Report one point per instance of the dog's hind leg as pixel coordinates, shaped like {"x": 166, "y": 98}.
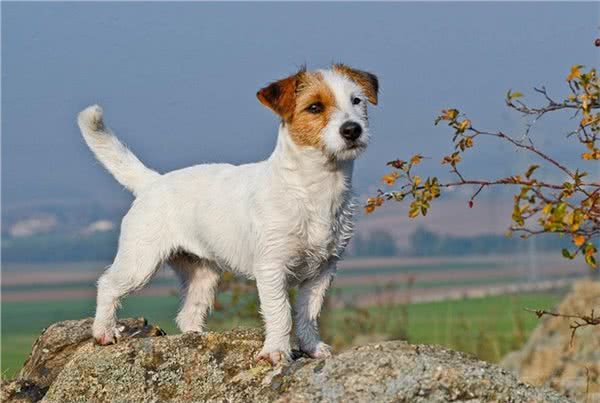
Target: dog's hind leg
{"x": 141, "y": 252}
{"x": 130, "y": 271}
{"x": 199, "y": 280}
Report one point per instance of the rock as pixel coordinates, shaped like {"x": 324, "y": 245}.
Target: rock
{"x": 54, "y": 349}
{"x": 21, "y": 391}
{"x": 221, "y": 367}
{"x": 549, "y": 358}
{"x": 400, "y": 372}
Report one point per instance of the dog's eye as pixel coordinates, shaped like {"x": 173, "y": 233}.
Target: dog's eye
{"x": 356, "y": 101}
{"x": 317, "y": 107}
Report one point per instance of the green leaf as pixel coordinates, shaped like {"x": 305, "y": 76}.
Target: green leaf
{"x": 561, "y": 209}
{"x": 516, "y": 95}
{"x": 531, "y": 170}
{"x": 512, "y": 95}
{"x": 591, "y": 260}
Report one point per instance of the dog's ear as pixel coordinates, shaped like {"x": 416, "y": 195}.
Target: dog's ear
{"x": 280, "y": 96}
{"x": 367, "y": 81}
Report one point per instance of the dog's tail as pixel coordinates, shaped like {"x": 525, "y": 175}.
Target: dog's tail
{"x": 127, "y": 169}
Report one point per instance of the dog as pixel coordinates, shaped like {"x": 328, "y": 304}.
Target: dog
{"x": 284, "y": 221}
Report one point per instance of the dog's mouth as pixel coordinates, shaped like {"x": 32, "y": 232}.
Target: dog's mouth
{"x": 356, "y": 146}
{"x": 350, "y": 151}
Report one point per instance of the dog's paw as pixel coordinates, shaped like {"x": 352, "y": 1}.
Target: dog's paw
{"x": 188, "y": 324}
{"x": 198, "y": 330}
{"x": 107, "y": 336}
{"x": 321, "y": 350}
{"x": 91, "y": 118}
{"x": 274, "y": 357}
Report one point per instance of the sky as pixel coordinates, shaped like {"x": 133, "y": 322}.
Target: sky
{"x": 178, "y": 81}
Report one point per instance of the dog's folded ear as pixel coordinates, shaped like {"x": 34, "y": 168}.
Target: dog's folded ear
{"x": 367, "y": 81}
{"x": 280, "y": 96}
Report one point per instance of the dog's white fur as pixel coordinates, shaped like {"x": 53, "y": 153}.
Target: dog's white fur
{"x": 283, "y": 221}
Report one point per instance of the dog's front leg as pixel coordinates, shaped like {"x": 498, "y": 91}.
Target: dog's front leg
{"x": 275, "y": 308}
{"x": 309, "y": 301}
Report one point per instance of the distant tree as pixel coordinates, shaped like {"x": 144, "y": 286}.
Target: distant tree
{"x": 378, "y": 243}
{"x": 423, "y": 242}
{"x": 570, "y": 207}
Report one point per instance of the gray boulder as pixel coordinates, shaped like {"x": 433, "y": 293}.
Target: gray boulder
{"x": 220, "y": 367}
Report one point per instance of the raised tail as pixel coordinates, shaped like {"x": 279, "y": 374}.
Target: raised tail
{"x": 127, "y": 169}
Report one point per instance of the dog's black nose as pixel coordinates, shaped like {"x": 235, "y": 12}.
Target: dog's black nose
{"x": 350, "y": 130}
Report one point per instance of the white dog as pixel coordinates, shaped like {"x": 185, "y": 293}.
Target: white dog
{"x": 284, "y": 221}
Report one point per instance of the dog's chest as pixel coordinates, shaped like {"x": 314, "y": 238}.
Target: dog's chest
{"x": 325, "y": 226}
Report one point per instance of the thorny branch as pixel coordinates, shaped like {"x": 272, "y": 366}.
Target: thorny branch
{"x": 578, "y": 320}
{"x": 570, "y": 207}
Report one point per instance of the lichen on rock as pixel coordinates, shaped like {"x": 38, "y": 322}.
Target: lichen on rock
{"x": 220, "y": 366}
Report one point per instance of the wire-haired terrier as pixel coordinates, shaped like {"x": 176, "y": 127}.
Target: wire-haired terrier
{"x": 283, "y": 221}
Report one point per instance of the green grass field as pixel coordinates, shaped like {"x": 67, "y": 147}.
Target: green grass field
{"x": 487, "y": 327}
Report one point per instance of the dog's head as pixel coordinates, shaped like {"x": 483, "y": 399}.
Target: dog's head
{"x": 325, "y": 109}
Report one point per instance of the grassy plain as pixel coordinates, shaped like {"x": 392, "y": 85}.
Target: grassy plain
{"x": 487, "y": 327}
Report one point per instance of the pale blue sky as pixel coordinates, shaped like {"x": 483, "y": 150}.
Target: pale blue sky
{"x": 178, "y": 80}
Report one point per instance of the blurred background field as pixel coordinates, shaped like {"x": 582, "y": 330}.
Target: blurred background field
{"x": 472, "y": 304}
{"x": 450, "y": 278}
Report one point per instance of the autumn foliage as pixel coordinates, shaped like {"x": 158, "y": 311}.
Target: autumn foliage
{"x": 570, "y": 207}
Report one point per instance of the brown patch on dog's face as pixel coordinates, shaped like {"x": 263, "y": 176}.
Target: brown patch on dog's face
{"x": 367, "y": 81}
{"x": 305, "y": 104}
{"x": 315, "y": 102}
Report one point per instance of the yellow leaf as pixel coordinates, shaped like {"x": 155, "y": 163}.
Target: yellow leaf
{"x": 589, "y": 119}
{"x": 416, "y": 180}
{"x": 575, "y": 72}
{"x": 578, "y": 240}
{"x": 589, "y": 249}
{"x": 373, "y": 203}
{"x": 547, "y": 209}
{"x": 513, "y": 95}
{"x": 449, "y": 114}
{"x": 416, "y": 159}
{"x": 390, "y": 178}
{"x": 464, "y": 125}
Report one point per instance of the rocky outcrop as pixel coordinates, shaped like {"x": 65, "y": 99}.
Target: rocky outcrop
{"x": 54, "y": 349}
{"x": 551, "y": 358}
{"x": 221, "y": 367}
